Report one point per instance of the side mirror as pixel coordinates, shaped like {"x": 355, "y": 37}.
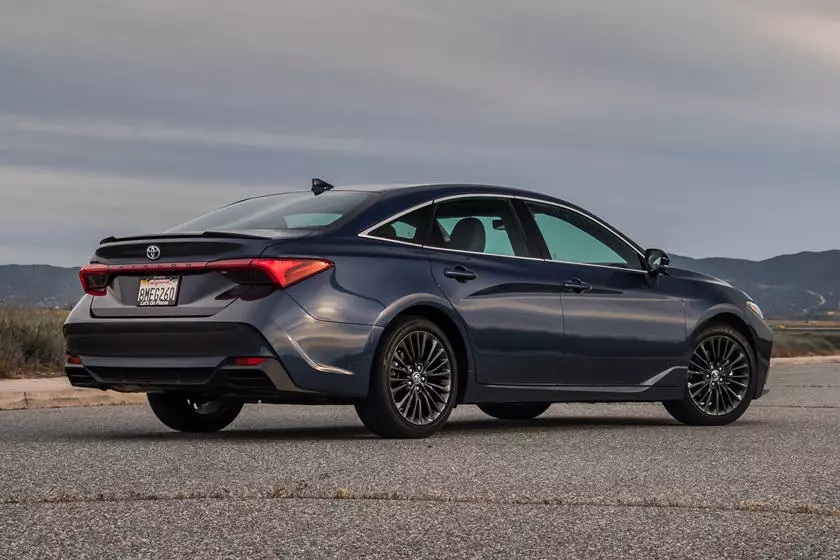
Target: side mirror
{"x": 657, "y": 261}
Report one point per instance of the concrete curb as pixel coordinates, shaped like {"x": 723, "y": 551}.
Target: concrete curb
{"x": 805, "y": 360}
{"x": 81, "y": 397}
{"x": 12, "y": 401}
{"x": 20, "y": 394}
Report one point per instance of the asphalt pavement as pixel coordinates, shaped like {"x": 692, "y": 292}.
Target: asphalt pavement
{"x": 583, "y": 481}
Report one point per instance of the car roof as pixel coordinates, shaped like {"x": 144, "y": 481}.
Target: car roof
{"x": 420, "y": 192}
{"x": 433, "y": 190}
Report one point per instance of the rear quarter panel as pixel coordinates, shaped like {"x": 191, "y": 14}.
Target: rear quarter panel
{"x": 372, "y": 280}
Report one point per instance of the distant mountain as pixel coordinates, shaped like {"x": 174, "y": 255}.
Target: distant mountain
{"x": 801, "y": 286}
{"x": 39, "y": 286}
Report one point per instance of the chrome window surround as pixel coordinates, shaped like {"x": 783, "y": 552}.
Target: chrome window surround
{"x": 366, "y": 233}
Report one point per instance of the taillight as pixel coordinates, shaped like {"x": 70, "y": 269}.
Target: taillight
{"x": 281, "y": 273}
{"x": 286, "y": 272}
{"x": 95, "y": 278}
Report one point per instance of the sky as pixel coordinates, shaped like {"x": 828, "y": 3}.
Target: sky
{"x": 705, "y": 128}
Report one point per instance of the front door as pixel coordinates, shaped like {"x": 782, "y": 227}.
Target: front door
{"x": 622, "y": 327}
{"x": 481, "y": 261}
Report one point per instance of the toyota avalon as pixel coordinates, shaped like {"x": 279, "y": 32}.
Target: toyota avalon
{"x": 406, "y": 302}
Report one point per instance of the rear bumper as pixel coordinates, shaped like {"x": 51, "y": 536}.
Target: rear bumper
{"x": 306, "y": 358}
{"x": 267, "y": 381}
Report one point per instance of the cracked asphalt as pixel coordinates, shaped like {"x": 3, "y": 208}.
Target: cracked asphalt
{"x": 593, "y": 481}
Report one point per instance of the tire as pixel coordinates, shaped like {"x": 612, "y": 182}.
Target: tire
{"x": 188, "y": 414}
{"x": 424, "y": 394}
{"x": 703, "y": 411}
{"x": 514, "y": 411}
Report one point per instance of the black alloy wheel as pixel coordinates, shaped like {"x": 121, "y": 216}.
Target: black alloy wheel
{"x": 720, "y": 382}
{"x": 414, "y": 382}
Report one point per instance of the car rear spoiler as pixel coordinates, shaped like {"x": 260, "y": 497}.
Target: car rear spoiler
{"x": 269, "y": 234}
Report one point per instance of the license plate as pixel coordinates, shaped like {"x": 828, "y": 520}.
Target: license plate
{"x": 158, "y": 291}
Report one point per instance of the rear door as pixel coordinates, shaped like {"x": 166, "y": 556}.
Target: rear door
{"x": 482, "y": 262}
{"x": 622, "y": 327}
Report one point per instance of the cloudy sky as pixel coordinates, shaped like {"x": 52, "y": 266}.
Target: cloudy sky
{"x": 708, "y": 128}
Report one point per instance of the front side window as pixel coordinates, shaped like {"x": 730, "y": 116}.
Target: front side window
{"x": 298, "y": 210}
{"x": 409, "y": 228}
{"x": 574, "y": 238}
{"x": 477, "y": 225}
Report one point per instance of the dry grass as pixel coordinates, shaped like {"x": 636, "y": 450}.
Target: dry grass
{"x": 806, "y": 338}
{"x": 794, "y": 345}
{"x": 31, "y": 344}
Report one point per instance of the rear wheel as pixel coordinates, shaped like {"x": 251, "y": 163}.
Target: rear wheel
{"x": 721, "y": 379}
{"x": 514, "y": 411}
{"x": 414, "y": 381}
{"x": 192, "y": 414}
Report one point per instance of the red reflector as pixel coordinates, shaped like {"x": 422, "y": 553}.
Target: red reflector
{"x": 75, "y": 360}
{"x": 246, "y": 362}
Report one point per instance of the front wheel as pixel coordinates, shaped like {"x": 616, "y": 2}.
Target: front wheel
{"x": 414, "y": 381}
{"x": 514, "y": 411}
{"x": 721, "y": 379}
{"x": 192, "y": 414}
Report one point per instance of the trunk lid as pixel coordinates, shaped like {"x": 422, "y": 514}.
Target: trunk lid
{"x": 196, "y": 290}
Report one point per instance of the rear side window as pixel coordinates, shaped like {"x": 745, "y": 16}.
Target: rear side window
{"x": 410, "y": 228}
{"x": 299, "y": 210}
{"x": 477, "y": 225}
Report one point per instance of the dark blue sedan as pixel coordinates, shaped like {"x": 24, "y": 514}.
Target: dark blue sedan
{"x": 405, "y": 302}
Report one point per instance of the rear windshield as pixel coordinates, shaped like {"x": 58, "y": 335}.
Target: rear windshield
{"x": 299, "y": 210}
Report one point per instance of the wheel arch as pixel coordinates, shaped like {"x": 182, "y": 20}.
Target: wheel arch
{"x": 729, "y": 319}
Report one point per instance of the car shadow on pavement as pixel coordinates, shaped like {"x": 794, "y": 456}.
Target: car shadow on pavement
{"x": 568, "y": 423}
{"x": 453, "y": 428}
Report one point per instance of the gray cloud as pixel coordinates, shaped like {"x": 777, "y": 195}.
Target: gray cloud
{"x": 708, "y": 128}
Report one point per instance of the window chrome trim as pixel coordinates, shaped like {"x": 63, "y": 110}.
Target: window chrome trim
{"x": 397, "y": 241}
{"x": 487, "y": 195}
{"x": 366, "y": 233}
{"x": 610, "y": 267}
{"x": 433, "y": 248}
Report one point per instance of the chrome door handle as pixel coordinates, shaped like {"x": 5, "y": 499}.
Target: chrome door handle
{"x": 460, "y": 273}
{"x": 576, "y": 285}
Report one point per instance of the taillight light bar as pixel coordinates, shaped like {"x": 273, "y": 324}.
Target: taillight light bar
{"x": 282, "y": 273}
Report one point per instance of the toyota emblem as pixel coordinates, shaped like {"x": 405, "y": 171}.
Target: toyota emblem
{"x": 153, "y": 252}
